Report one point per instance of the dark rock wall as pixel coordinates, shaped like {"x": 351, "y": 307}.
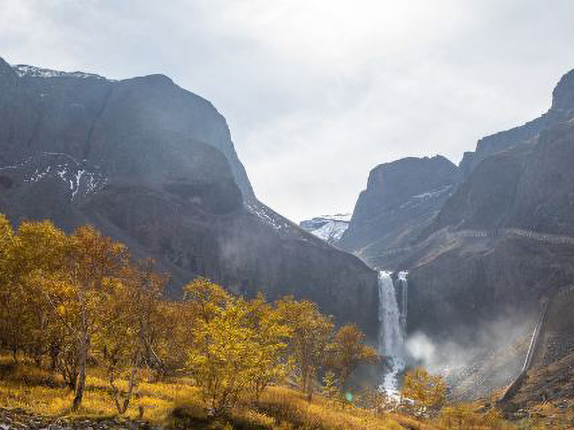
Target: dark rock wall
{"x": 400, "y": 201}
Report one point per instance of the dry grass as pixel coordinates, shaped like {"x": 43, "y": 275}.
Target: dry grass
{"x": 177, "y": 404}
{"x": 39, "y": 391}
{"x": 290, "y": 409}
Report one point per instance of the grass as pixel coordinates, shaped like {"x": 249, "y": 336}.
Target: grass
{"x": 177, "y": 405}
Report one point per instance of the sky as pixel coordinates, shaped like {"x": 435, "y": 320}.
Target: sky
{"x": 319, "y": 92}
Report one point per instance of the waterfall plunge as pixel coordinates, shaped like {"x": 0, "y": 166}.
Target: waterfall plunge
{"x": 392, "y": 326}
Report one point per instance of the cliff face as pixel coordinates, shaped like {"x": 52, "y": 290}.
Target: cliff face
{"x": 494, "y": 242}
{"x": 154, "y": 166}
{"x": 561, "y": 110}
{"x": 505, "y": 238}
{"x": 400, "y": 201}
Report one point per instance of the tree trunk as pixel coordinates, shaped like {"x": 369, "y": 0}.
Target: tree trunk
{"x": 309, "y": 387}
{"x": 54, "y": 354}
{"x": 123, "y": 407}
{"x": 81, "y": 381}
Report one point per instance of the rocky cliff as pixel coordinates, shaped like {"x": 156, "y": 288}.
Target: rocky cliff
{"x": 399, "y": 203}
{"x": 499, "y": 238}
{"x": 153, "y": 165}
{"x": 505, "y": 238}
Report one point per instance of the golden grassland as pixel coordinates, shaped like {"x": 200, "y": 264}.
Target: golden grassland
{"x": 177, "y": 404}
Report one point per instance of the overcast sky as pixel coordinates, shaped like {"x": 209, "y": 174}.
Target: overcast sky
{"x": 318, "y": 92}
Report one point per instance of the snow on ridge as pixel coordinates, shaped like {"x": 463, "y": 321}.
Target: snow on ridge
{"x": 39, "y": 72}
{"x": 336, "y": 217}
{"x": 268, "y": 216}
{"x": 417, "y": 200}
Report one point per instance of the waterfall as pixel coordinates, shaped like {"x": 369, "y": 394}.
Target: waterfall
{"x": 392, "y": 326}
{"x": 404, "y": 289}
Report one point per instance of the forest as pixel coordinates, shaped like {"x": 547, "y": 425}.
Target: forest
{"x": 79, "y": 317}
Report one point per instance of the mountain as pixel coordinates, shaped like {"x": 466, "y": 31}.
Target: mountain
{"x": 505, "y": 238}
{"x": 330, "y": 228}
{"x": 154, "y": 166}
{"x": 488, "y": 251}
{"x": 399, "y": 203}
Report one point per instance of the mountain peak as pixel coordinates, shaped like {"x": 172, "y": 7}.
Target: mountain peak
{"x": 563, "y": 94}
{"x": 5, "y": 68}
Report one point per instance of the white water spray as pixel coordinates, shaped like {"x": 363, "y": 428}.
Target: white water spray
{"x": 392, "y": 327}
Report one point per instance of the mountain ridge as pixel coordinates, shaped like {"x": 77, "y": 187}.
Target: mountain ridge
{"x": 154, "y": 166}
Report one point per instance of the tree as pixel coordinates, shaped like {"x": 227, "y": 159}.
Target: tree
{"x": 237, "y": 346}
{"x": 126, "y": 335}
{"x": 11, "y": 336}
{"x": 347, "y": 352}
{"x": 311, "y": 333}
{"x": 40, "y": 254}
{"x": 426, "y": 390}
{"x": 79, "y": 293}
{"x": 205, "y": 298}
{"x": 271, "y": 336}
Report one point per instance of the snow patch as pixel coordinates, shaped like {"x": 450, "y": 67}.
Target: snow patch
{"x": 38, "y": 72}
{"x": 419, "y": 199}
{"x": 78, "y": 178}
{"x": 268, "y": 216}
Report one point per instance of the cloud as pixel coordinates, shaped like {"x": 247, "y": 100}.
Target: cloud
{"x": 318, "y": 92}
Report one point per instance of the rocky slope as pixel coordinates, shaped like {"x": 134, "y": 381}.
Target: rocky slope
{"x": 548, "y": 391}
{"x": 399, "y": 203}
{"x": 153, "y": 165}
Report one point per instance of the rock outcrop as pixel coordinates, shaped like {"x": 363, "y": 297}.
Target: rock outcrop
{"x": 399, "y": 203}
{"x": 153, "y": 166}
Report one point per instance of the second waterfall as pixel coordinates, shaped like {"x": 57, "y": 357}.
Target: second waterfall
{"x": 392, "y": 326}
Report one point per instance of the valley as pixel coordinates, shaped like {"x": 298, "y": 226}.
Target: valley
{"x": 465, "y": 271}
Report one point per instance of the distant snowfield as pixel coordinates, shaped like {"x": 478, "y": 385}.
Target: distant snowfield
{"x": 330, "y": 228}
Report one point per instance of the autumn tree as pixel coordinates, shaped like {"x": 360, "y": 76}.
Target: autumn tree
{"x": 347, "y": 352}
{"x": 79, "y": 295}
{"x": 428, "y": 392}
{"x": 205, "y": 299}
{"x": 311, "y": 333}
{"x": 271, "y": 336}
{"x": 11, "y": 336}
{"x": 35, "y": 252}
{"x": 127, "y": 333}
{"x": 40, "y": 254}
{"x": 237, "y": 345}
{"x": 171, "y": 337}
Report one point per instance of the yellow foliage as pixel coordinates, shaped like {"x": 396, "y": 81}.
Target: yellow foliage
{"x": 348, "y": 351}
{"x": 428, "y": 392}
{"x": 237, "y": 348}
